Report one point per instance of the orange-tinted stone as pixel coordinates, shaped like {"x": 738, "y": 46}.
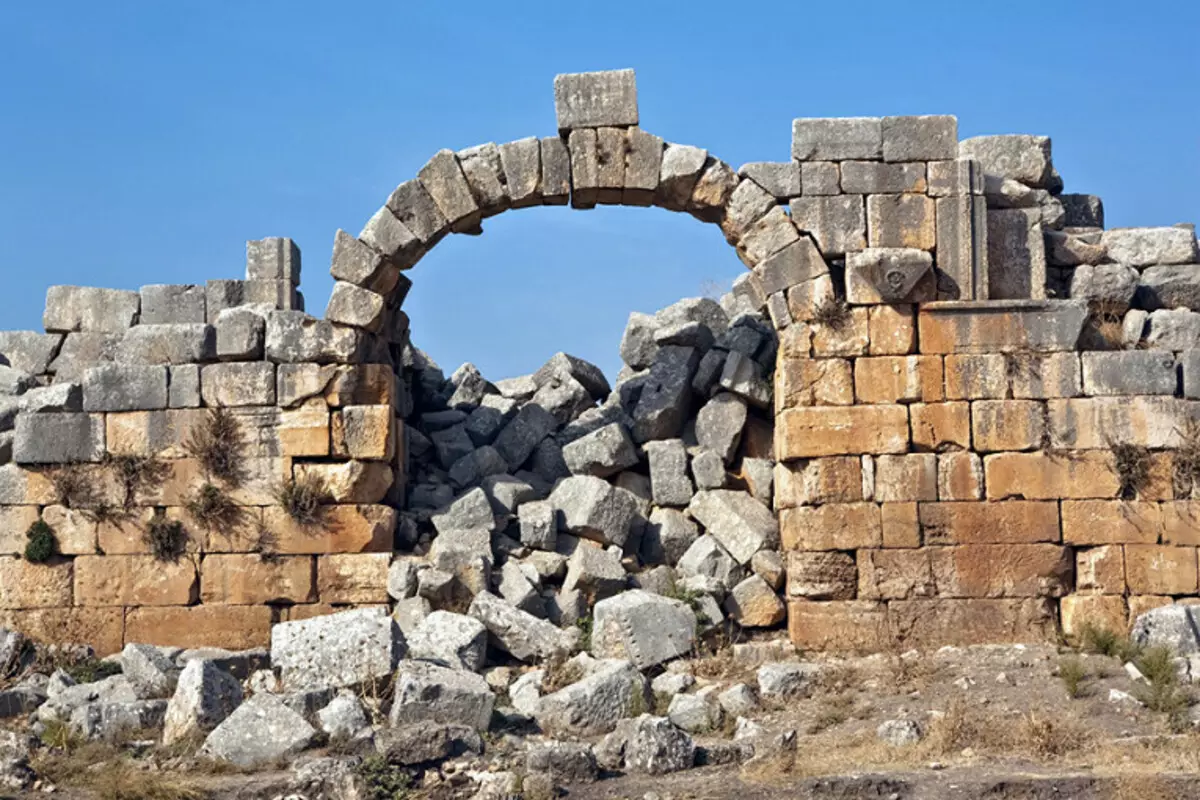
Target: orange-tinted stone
{"x": 134, "y": 581}
{"x": 1010, "y": 522}
{"x": 250, "y": 579}
{"x": 901, "y": 525}
{"x": 1100, "y": 570}
{"x": 1098, "y": 611}
{"x": 937, "y": 427}
{"x": 898, "y": 379}
{"x": 229, "y": 627}
{"x": 1111, "y": 522}
{"x": 353, "y": 577}
{"x": 998, "y": 425}
{"x": 345, "y": 529}
{"x": 837, "y": 526}
{"x": 838, "y": 626}
{"x": 1049, "y": 476}
{"x": 24, "y": 584}
{"x": 834, "y": 430}
{"x": 1159, "y": 569}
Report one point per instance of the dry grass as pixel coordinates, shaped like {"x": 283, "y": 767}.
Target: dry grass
{"x": 306, "y": 499}
{"x": 1073, "y": 675}
{"x": 217, "y": 444}
{"x": 559, "y": 673}
{"x": 167, "y": 539}
{"x": 1186, "y": 460}
{"x": 213, "y": 509}
{"x": 1106, "y": 320}
{"x": 137, "y": 473}
{"x": 832, "y": 313}
{"x": 1132, "y": 463}
{"x": 73, "y": 486}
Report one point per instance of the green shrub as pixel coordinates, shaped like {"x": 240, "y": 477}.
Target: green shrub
{"x": 41, "y": 545}
{"x": 1073, "y": 675}
{"x": 382, "y": 780}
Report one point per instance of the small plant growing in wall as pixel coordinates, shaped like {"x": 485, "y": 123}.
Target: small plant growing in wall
{"x": 167, "y": 539}
{"x": 40, "y": 545}
{"x": 213, "y": 509}
{"x": 1186, "y": 460}
{"x": 306, "y": 499}
{"x": 1132, "y": 463}
{"x": 73, "y": 486}
{"x": 832, "y": 313}
{"x": 137, "y": 473}
{"x": 217, "y": 444}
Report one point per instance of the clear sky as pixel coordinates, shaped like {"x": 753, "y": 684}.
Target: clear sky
{"x": 144, "y": 142}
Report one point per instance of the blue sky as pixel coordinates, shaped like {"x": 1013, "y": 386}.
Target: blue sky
{"x": 144, "y": 142}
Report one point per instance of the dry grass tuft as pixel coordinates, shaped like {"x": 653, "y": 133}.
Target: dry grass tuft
{"x": 559, "y": 673}
{"x": 1186, "y": 460}
{"x": 167, "y": 539}
{"x": 213, "y": 509}
{"x": 306, "y": 499}
{"x": 1073, "y": 675}
{"x": 1132, "y": 463}
{"x": 137, "y": 473}
{"x": 217, "y": 444}
{"x": 832, "y": 313}
{"x": 1106, "y": 321}
{"x": 73, "y": 486}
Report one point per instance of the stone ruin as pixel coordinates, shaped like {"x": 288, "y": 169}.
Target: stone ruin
{"x": 943, "y": 405}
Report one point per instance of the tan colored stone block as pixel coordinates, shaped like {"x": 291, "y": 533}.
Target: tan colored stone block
{"x": 998, "y": 425}
{"x": 346, "y": 529}
{"x": 895, "y": 574}
{"x": 932, "y": 623}
{"x": 1140, "y": 604}
{"x": 101, "y": 628}
{"x": 100, "y": 487}
{"x": 1011, "y": 326}
{"x": 835, "y": 430}
{"x": 249, "y": 579}
{"x": 960, "y": 477}
{"x": 901, "y": 220}
{"x": 163, "y": 434}
{"x": 837, "y": 526}
{"x": 25, "y": 487}
{"x": 1043, "y": 376}
{"x": 898, "y": 379}
{"x": 1048, "y": 476}
{"x": 821, "y": 576}
{"x": 809, "y": 382}
{"x": 362, "y": 385}
{"x": 183, "y": 477}
{"x": 27, "y": 585}
{"x": 296, "y": 613}
{"x": 364, "y": 482}
{"x": 263, "y": 477}
{"x": 1181, "y": 522}
{"x": 1102, "y": 612}
{"x": 353, "y": 577}
{"x": 975, "y": 376}
{"x": 758, "y": 439}
{"x": 296, "y": 384}
{"x": 366, "y": 433}
{"x": 1100, "y": 570}
{"x": 905, "y": 479}
{"x": 892, "y": 329}
{"x": 134, "y": 581}
{"x": 1160, "y": 481}
{"x": 1159, "y": 569}
{"x": 1097, "y": 423}
{"x": 1003, "y": 570}
{"x": 304, "y": 431}
{"x": 795, "y": 341}
{"x": 125, "y": 536}
{"x": 75, "y": 530}
{"x": 805, "y": 299}
{"x": 851, "y": 338}
{"x": 15, "y": 522}
{"x": 228, "y": 627}
{"x": 901, "y": 525}
{"x": 937, "y": 427}
{"x": 817, "y": 481}
{"x": 1010, "y": 522}
{"x": 847, "y": 626}
{"x": 246, "y": 535}
{"x": 1087, "y": 522}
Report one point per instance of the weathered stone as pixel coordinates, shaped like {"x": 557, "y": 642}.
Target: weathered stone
{"x": 821, "y": 576}
{"x": 719, "y": 424}
{"x": 246, "y": 383}
{"x": 260, "y": 731}
{"x": 1143, "y": 247}
{"x": 295, "y": 337}
{"x": 601, "y": 453}
{"x": 713, "y": 189}
{"x": 515, "y": 631}
{"x": 595, "y": 704}
{"x": 344, "y": 718}
{"x": 1064, "y": 249}
{"x": 645, "y": 628}
{"x": 926, "y": 138}
{"x": 29, "y": 351}
{"x": 78, "y": 308}
{"x": 740, "y": 523}
{"x": 831, "y": 430}
{"x": 838, "y": 224}
{"x": 442, "y": 177}
{"x": 901, "y": 220}
{"x": 1020, "y": 157}
{"x": 1129, "y": 372}
{"x": 471, "y": 510}
{"x": 781, "y": 682}
{"x": 596, "y": 99}
{"x": 1172, "y": 286}
{"x": 429, "y": 693}
{"x": 556, "y": 172}
{"x": 669, "y": 479}
{"x": 151, "y": 673}
{"x": 872, "y": 177}
{"x": 115, "y": 721}
{"x": 707, "y": 558}
{"x": 995, "y": 327}
{"x": 779, "y": 178}
{"x": 426, "y": 742}
{"x": 652, "y": 746}
{"x": 204, "y": 697}
{"x": 166, "y": 304}
{"x": 595, "y": 573}
{"x": 668, "y": 536}
{"x": 522, "y": 435}
{"x": 485, "y": 175}
{"x": 119, "y": 387}
{"x": 890, "y": 275}
{"x": 1111, "y": 284}
{"x": 58, "y": 438}
{"x": 833, "y": 139}
{"x": 273, "y": 259}
{"x": 754, "y": 604}
{"x": 1173, "y": 626}
{"x": 355, "y": 306}
{"x": 349, "y": 648}
{"x": 1083, "y": 210}
{"x": 1175, "y": 329}
{"x": 451, "y": 640}
{"x": 521, "y": 165}
{"x": 592, "y": 508}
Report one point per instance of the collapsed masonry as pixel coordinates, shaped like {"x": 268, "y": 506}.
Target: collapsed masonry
{"x": 943, "y": 405}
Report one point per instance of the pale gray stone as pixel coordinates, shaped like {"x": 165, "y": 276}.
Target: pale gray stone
{"x": 521, "y": 161}
{"x": 125, "y": 387}
{"x": 539, "y": 527}
{"x": 222, "y": 294}
{"x": 240, "y": 334}
{"x": 1111, "y": 284}
{"x": 638, "y": 345}
{"x": 782, "y": 681}
{"x": 696, "y": 713}
{"x": 556, "y": 172}
{"x": 1176, "y": 627}
{"x": 485, "y": 176}
{"x": 373, "y": 266}
{"x": 425, "y": 742}
{"x": 295, "y": 337}
{"x": 1020, "y": 157}
{"x": 1133, "y": 327}
{"x": 152, "y": 674}
{"x": 1170, "y": 286}
{"x": 873, "y": 177}
{"x": 595, "y": 704}
{"x": 184, "y": 388}
{"x": 58, "y": 438}
{"x": 1129, "y": 372}
{"x": 744, "y": 377}
{"x": 898, "y": 732}
{"x": 595, "y": 573}
{"x": 562, "y": 762}
{"x": 82, "y": 308}
{"x": 669, "y": 481}
{"x": 419, "y": 214}
{"x": 115, "y": 721}
{"x": 596, "y": 99}
{"x": 719, "y": 425}
{"x": 665, "y": 397}
{"x": 280, "y": 295}
{"x": 590, "y": 507}
{"x": 451, "y": 640}
{"x": 820, "y": 178}
{"x": 748, "y": 599}
{"x": 261, "y": 730}
{"x": 273, "y": 259}
{"x": 522, "y": 435}
{"x": 238, "y": 663}
{"x": 740, "y": 523}
{"x": 837, "y": 224}
{"x": 1175, "y": 329}
{"x": 429, "y": 693}
{"x": 738, "y": 700}
{"x": 564, "y": 397}
{"x": 476, "y": 465}
{"x": 471, "y": 510}
{"x": 355, "y": 306}
{"x": 173, "y": 303}
{"x": 518, "y": 590}
{"x": 66, "y": 698}
{"x": 925, "y": 138}
{"x": 800, "y": 261}
{"x": 681, "y": 168}
{"x": 958, "y": 177}
{"x": 648, "y": 629}
{"x": 602, "y": 453}
{"x": 1143, "y": 247}
{"x": 778, "y": 178}
{"x": 704, "y": 310}
{"x": 346, "y": 649}
{"x": 204, "y": 697}
{"x": 506, "y": 493}
{"x": 643, "y": 166}
{"x": 1016, "y": 255}
{"x": 452, "y": 445}
{"x": 519, "y": 633}
{"x": 586, "y": 374}
{"x": 708, "y": 468}
{"x": 82, "y": 351}
{"x": 443, "y": 179}
{"x": 409, "y": 613}
{"x": 29, "y": 351}
{"x": 668, "y": 536}
{"x": 344, "y": 718}
{"x": 837, "y": 139}
{"x": 654, "y": 746}
{"x": 242, "y": 383}
{"x": 168, "y": 344}
{"x": 1065, "y": 249}
{"x": 707, "y": 558}
{"x": 748, "y": 203}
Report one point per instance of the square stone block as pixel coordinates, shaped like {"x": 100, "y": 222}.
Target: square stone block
{"x": 596, "y": 99}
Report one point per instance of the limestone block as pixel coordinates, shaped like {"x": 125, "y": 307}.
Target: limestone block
{"x": 585, "y": 167}
{"x": 27, "y": 585}
{"x": 1043, "y": 476}
{"x": 344, "y": 649}
{"x": 740, "y": 523}
{"x": 1179, "y": 522}
{"x": 1170, "y": 286}
{"x": 1019, "y": 157}
{"x": 601, "y": 453}
{"x": 353, "y": 578}
{"x": 82, "y": 351}
{"x": 273, "y": 259}
{"x": 81, "y": 308}
{"x": 809, "y": 381}
{"x": 890, "y": 275}
{"x": 925, "y": 138}
{"x": 273, "y": 294}
{"x": 754, "y": 604}
{"x": 937, "y": 427}
{"x": 833, "y": 139}
{"x": 1101, "y": 570}
{"x": 556, "y": 171}
{"x": 375, "y": 265}
{"x": 183, "y": 391}
{"x": 831, "y": 430}
{"x": 1079, "y": 611}
{"x": 1083, "y": 210}
{"x": 957, "y": 177}
{"x": 645, "y": 628}
{"x": 29, "y": 351}
{"x": 610, "y": 165}
{"x": 74, "y": 530}
{"x": 1129, "y": 372}
{"x": 124, "y": 387}
{"x": 521, "y": 165}
{"x": 133, "y": 581}
{"x": 669, "y": 479}
{"x": 820, "y": 178}
{"x": 834, "y": 526}
{"x": 849, "y": 338}
{"x": 240, "y": 333}
{"x": 1002, "y": 327}
{"x": 16, "y": 520}
{"x": 1176, "y": 329}
{"x": 1100, "y": 422}
{"x": 1008, "y": 425}
{"x": 796, "y": 263}
{"x": 596, "y": 99}
{"x": 838, "y": 223}
{"x": 58, "y": 438}
{"x": 167, "y": 303}
{"x": 413, "y": 206}
{"x": 959, "y": 477}
{"x": 713, "y": 189}
{"x": 229, "y": 627}
{"x": 346, "y": 529}
{"x": 222, "y": 294}
{"x": 851, "y": 625}
{"x": 485, "y": 175}
{"x": 1143, "y": 247}
{"x": 821, "y": 576}
{"x": 1016, "y": 254}
{"x": 901, "y": 220}
{"x": 515, "y": 631}
{"x": 249, "y": 579}
{"x": 872, "y": 177}
{"x": 962, "y": 267}
{"x": 1157, "y": 569}
{"x": 936, "y": 622}
{"x": 249, "y": 383}
{"x": 898, "y": 379}
{"x": 354, "y": 482}
{"x": 770, "y": 234}
{"x": 891, "y": 329}
{"x": 296, "y": 337}
{"x": 592, "y": 508}
{"x": 1010, "y": 522}
{"x": 167, "y": 344}
{"x": 779, "y": 178}
{"x": 907, "y": 478}
{"x": 747, "y": 204}
{"x": 1099, "y": 522}
{"x": 972, "y": 376}
{"x": 443, "y": 179}
{"x": 355, "y": 306}
{"x": 1003, "y": 570}
{"x": 819, "y": 480}
{"x": 643, "y": 165}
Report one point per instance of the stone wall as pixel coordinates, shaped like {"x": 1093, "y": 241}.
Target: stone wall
{"x": 983, "y": 413}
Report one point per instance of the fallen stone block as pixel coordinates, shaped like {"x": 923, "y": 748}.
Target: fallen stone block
{"x": 429, "y": 693}
{"x": 613, "y": 690}
{"x": 114, "y": 721}
{"x": 651, "y": 746}
{"x": 450, "y": 640}
{"x": 602, "y": 453}
{"x": 881, "y": 275}
{"x": 752, "y": 603}
{"x": 670, "y": 483}
{"x": 152, "y": 674}
{"x": 719, "y": 425}
{"x": 781, "y": 682}
{"x": 740, "y": 523}
{"x": 594, "y": 573}
{"x": 708, "y": 559}
{"x": 1176, "y": 627}
{"x": 260, "y": 731}
{"x": 779, "y": 178}
{"x": 346, "y": 649}
{"x": 204, "y": 697}
{"x": 645, "y": 628}
{"x": 593, "y": 508}
{"x": 517, "y": 632}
